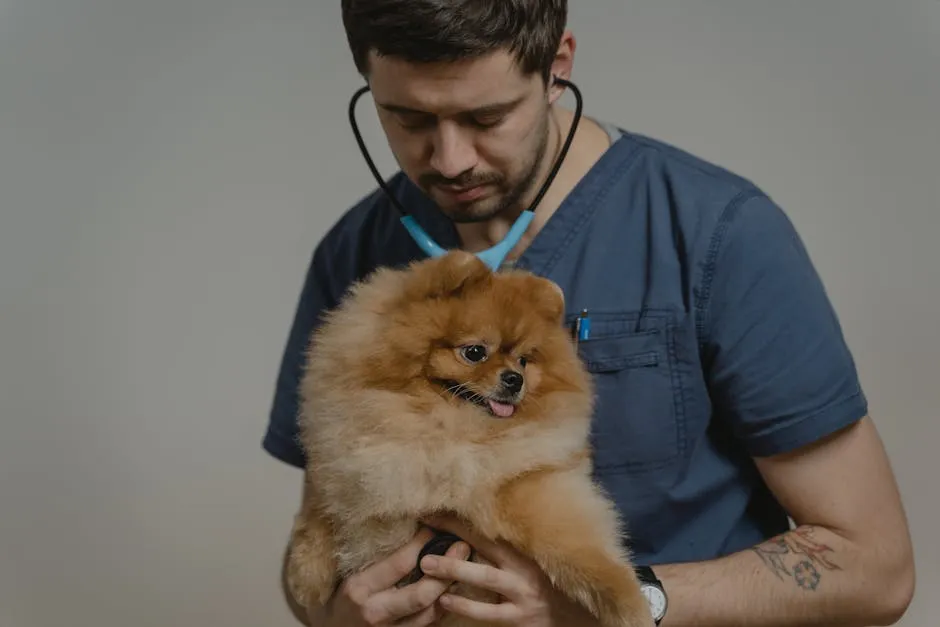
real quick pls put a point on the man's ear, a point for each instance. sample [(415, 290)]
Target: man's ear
[(446, 275), (562, 64)]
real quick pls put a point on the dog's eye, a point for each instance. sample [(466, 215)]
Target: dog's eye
[(523, 361), (473, 353)]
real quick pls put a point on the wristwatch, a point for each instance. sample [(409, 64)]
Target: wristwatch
[(654, 592)]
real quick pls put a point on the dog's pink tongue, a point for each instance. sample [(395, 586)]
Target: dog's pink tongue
[(503, 410)]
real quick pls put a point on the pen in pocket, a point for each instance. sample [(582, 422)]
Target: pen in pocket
[(582, 327)]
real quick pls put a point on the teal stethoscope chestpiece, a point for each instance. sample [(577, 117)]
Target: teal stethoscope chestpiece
[(492, 257)]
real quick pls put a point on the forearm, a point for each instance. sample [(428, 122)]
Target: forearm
[(808, 576)]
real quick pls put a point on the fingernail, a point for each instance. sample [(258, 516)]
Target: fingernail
[(463, 551), (429, 563)]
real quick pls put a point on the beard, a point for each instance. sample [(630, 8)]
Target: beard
[(510, 190)]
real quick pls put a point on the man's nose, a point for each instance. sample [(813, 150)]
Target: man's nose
[(453, 152)]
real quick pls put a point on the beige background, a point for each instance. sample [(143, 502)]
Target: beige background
[(166, 168)]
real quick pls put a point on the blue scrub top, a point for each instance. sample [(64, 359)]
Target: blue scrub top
[(712, 337)]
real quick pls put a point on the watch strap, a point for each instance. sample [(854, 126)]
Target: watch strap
[(646, 575)]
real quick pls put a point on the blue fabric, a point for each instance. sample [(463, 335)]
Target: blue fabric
[(712, 337)]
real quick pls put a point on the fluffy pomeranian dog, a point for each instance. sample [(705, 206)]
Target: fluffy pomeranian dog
[(447, 388)]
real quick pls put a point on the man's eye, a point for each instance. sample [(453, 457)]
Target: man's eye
[(414, 122), (487, 122)]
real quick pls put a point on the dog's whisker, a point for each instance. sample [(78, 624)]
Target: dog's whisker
[(466, 391)]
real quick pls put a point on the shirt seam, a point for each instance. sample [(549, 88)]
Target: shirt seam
[(613, 169), (836, 415), (704, 293)]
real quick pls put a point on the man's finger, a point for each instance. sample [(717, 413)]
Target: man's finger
[(424, 618), (503, 582), (505, 613), (396, 603), (387, 572), (492, 551)]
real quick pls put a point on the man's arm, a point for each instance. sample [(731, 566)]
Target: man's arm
[(783, 381), (848, 562)]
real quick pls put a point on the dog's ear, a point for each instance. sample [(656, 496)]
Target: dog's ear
[(548, 299), (446, 275)]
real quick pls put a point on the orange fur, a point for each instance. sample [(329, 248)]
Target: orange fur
[(389, 444)]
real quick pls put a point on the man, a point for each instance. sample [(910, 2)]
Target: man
[(728, 401)]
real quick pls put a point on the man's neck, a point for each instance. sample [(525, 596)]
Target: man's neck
[(589, 143)]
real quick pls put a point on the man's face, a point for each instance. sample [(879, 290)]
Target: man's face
[(471, 134)]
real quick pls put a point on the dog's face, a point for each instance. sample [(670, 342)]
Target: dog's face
[(493, 343), (484, 372)]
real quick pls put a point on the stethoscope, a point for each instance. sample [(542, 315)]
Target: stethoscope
[(495, 255)]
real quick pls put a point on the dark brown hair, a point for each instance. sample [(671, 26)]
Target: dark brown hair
[(421, 31)]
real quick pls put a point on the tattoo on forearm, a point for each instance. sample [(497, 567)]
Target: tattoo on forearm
[(796, 555)]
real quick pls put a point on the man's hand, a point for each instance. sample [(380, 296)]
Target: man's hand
[(370, 598), (528, 597)]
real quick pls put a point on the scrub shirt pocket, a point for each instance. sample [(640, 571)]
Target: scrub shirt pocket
[(638, 407)]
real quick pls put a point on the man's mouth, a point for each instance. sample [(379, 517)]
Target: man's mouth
[(464, 194)]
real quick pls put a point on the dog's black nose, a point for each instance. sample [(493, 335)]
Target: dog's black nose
[(511, 380)]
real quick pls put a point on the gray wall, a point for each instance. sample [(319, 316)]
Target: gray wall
[(166, 168)]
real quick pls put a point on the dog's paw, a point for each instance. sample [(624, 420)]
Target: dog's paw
[(608, 589), (621, 603), (311, 570)]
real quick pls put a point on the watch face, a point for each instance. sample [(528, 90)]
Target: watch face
[(657, 601)]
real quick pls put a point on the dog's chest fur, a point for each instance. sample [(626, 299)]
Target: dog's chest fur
[(380, 487)]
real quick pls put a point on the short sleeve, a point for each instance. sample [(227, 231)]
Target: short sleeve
[(316, 296), (778, 367)]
